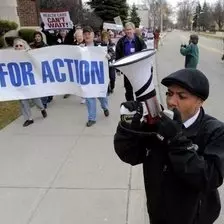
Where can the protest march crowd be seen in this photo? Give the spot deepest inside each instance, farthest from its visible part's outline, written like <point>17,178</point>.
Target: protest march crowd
<point>180,148</point>
<point>117,47</point>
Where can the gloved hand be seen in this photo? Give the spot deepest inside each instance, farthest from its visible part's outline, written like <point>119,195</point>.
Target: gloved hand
<point>134,106</point>
<point>169,130</point>
<point>183,45</point>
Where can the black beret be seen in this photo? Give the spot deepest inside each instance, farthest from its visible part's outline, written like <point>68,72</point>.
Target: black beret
<point>192,80</point>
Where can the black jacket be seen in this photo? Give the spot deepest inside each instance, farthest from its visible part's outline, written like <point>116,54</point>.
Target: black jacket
<point>34,45</point>
<point>139,46</point>
<point>181,184</point>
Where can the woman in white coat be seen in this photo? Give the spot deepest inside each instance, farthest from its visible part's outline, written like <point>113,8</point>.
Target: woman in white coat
<point>20,44</point>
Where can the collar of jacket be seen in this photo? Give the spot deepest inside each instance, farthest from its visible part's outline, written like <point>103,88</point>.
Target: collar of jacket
<point>193,130</point>
<point>126,40</point>
<point>39,44</point>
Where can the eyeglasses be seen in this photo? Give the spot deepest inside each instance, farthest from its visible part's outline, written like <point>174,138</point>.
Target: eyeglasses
<point>19,45</point>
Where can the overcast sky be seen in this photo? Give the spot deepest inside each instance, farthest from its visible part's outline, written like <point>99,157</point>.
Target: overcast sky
<point>172,2</point>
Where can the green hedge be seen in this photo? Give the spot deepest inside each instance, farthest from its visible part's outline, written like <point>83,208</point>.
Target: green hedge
<point>27,34</point>
<point>2,42</point>
<point>9,41</point>
<point>6,25</point>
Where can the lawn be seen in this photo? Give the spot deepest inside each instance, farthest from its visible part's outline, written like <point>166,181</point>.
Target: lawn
<point>9,111</point>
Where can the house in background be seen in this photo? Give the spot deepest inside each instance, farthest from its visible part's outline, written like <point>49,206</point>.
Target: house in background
<point>28,12</point>
<point>24,12</point>
<point>8,10</point>
<point>144,14</point>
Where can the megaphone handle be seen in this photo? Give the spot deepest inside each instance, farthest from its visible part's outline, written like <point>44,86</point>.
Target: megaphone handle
<point>154,109</point>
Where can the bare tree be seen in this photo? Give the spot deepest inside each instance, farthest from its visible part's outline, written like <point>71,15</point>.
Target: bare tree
<point>218,13</point>
<point>185,13</point>
<point>156,8</point>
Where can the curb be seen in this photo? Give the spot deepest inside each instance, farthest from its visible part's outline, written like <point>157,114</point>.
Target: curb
<point>211,36</point>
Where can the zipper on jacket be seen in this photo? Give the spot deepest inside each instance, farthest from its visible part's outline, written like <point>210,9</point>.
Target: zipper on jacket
<point>198,212</point>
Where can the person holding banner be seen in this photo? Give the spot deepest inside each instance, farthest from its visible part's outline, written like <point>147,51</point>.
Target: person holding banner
<point>79,41</point>
<point>111,51</point>
<point>38,43</point>
<point>88,36</point>
<point>20,44</point>
<point>78,38</point>
<point>182,157</point>
<point>128,45</point>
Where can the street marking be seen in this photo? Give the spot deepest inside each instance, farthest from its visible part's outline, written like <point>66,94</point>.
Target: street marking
<point>205,47</point>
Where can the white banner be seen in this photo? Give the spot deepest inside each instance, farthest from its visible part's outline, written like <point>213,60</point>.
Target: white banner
<point>112,26</point>
<point>56,20</point>
<point>55,70</point>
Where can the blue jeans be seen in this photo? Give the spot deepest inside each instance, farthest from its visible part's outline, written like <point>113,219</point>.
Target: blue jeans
<point>91,106</point>
<point>44,100</point>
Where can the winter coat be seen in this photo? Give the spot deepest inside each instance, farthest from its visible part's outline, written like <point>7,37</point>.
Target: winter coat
<point>191,52</point>
<point>34,44</point>
<point>139,46</point>
<point>180,184</point>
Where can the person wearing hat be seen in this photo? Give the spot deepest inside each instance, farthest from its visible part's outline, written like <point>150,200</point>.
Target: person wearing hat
<point>183,157</point>
<point>191,52</point>
<point>88,36</point>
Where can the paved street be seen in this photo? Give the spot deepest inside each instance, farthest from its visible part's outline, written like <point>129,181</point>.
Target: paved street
<point>57,171</point>
<point>169,60</point>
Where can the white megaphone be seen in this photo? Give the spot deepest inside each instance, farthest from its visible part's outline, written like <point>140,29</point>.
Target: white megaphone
<point>138,69</point>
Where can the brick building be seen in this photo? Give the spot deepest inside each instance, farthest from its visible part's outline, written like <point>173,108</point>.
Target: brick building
<point>28,12</point>
<point>25,12</point>
<point>8,10</point>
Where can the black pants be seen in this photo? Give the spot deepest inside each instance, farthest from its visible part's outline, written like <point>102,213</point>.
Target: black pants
<point>112,76</point>
<point>128,90</point>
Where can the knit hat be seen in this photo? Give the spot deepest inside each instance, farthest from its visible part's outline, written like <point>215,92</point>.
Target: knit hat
<point>192,80</point>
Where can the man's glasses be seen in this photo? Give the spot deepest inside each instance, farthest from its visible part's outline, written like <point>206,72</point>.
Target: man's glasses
<point>19,45</point>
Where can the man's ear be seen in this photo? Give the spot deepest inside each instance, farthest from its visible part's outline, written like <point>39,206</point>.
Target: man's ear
<point>200,102</point>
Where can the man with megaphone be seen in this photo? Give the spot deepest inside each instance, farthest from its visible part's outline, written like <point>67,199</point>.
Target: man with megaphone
<point>183,157</point>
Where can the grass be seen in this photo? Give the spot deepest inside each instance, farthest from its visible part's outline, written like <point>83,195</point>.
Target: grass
<point>9,111</point>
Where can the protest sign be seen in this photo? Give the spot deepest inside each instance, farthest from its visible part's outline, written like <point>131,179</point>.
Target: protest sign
<point>56,20</point>
<point>112,26</point>
<point>55,70</point>
<point>118,21</point>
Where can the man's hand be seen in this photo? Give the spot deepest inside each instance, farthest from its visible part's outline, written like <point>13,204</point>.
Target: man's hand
<point>168,129</point>
<point>136,113</point>
<point>183,45</point>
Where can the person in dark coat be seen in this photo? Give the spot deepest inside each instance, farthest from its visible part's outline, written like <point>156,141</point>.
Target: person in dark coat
<point>106,41</point>
<point>183,158</point>
<point>38,43</point>
<point>128,45</point>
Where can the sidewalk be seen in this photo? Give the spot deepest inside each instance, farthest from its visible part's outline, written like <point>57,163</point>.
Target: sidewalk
<point>215,36</point>
<point>57,171</point>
